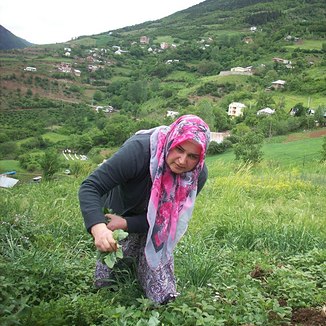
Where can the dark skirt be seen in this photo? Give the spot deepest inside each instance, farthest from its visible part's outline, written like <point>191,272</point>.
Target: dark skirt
<point>158,285</point>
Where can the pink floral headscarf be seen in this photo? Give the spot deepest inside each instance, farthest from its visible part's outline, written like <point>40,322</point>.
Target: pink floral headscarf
<point>173,195</point>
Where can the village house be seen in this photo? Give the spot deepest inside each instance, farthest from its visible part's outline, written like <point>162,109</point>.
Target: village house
<point>168,62</point>
<point>144,40</point>
<point>238,71</point>
<point>105,109</point>
<point>278,84</point>
<point>266,111</point>
<point>253,28</point>
<point>164,45</point>
<point>118,51</point>
<point>30,69</point>
<point>241,69</point>
<point>77,72</point>
<point>64,67</point>
<point>236,109</point>
<point>290,38</point>
<point>219,136</point>
<point>280,60</point>
<point>92,68</point>
<point>248,40</point>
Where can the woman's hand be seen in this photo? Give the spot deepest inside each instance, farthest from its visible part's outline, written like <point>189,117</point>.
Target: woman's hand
<point>103,238</point>
<point>116,222</point>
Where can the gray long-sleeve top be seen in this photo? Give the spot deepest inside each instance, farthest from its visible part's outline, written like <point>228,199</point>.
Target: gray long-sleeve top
<point>123,184</point>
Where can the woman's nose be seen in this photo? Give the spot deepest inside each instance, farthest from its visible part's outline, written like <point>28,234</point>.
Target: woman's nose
<point>183,158</point>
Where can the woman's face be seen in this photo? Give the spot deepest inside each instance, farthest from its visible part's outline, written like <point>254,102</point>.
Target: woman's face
<point>184,157</point>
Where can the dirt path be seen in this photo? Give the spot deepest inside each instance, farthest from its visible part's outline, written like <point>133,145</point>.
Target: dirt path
<point>305,135</point>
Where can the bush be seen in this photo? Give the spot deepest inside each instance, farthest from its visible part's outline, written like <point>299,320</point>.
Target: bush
<point>248,149</point>
<point>215,148</point>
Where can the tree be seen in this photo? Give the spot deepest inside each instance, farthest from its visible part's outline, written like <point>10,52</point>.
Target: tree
<point>118,129</point>
<point>50,163</point>
<point>248,149</point>
<point>320,115</point>
<point>137,92</point>
<point>300,110</point>
<point>204,109</point>
<point>98,96</point>
<point>264,100</point>
<point>323,152</point>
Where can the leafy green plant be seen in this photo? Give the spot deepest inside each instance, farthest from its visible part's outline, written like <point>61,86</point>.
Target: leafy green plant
<point>110,258</point>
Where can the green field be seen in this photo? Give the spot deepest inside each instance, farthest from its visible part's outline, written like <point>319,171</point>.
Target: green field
<point>307,45</point>
<point>254,253</point>
<point>9,165</point>
<point>54,137</point>
<point>291,100</point>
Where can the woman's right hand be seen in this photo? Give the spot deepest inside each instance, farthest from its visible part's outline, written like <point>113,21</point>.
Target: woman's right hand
<point>103,238</point>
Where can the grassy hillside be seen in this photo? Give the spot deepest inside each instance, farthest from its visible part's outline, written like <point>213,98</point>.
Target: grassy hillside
<point>254,253</point>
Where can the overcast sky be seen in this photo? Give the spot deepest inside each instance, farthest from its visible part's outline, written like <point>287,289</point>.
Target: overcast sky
<point>55,21</point>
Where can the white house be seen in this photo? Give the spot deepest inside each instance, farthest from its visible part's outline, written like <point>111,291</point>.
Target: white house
<point>236,109</point>
<point>241,69</point>
<point>30,69</point>
<point>266,111</point>
<point>278,84</point>
<point>219,136</point>
<point>77,72</point>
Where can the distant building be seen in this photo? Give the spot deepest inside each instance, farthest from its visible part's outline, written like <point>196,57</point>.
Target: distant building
<point>236,109</point>
<point>77,72</point>
<point>219,136</point>
<point>248,40</point>
<point>248,71</point>
<point>280,60</point>
<point>30,69</point>
<point>241,69</point>
<point>168,62</point>
<point>278,84</point>
<point>164,45</point>
<point>266,111</point>
<point>144,40</point>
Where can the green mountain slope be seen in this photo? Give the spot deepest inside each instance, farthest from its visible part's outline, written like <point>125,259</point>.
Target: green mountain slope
<point>10,41</point>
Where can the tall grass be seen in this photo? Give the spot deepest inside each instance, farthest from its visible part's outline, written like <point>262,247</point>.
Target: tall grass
<point>274,210</point>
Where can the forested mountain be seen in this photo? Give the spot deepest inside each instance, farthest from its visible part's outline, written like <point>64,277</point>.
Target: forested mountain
<point>10,41</point>
<point>94,91</point>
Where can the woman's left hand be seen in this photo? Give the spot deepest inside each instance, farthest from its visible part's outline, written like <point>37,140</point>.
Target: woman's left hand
<point>116,222</point>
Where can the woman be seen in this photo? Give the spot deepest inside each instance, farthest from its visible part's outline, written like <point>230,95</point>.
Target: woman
<point>151,185</point>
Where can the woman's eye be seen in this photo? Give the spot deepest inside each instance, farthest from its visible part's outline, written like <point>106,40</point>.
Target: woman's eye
<point>193,157</point>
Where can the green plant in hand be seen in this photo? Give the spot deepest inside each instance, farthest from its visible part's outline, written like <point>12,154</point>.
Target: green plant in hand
<point>110,258</point>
